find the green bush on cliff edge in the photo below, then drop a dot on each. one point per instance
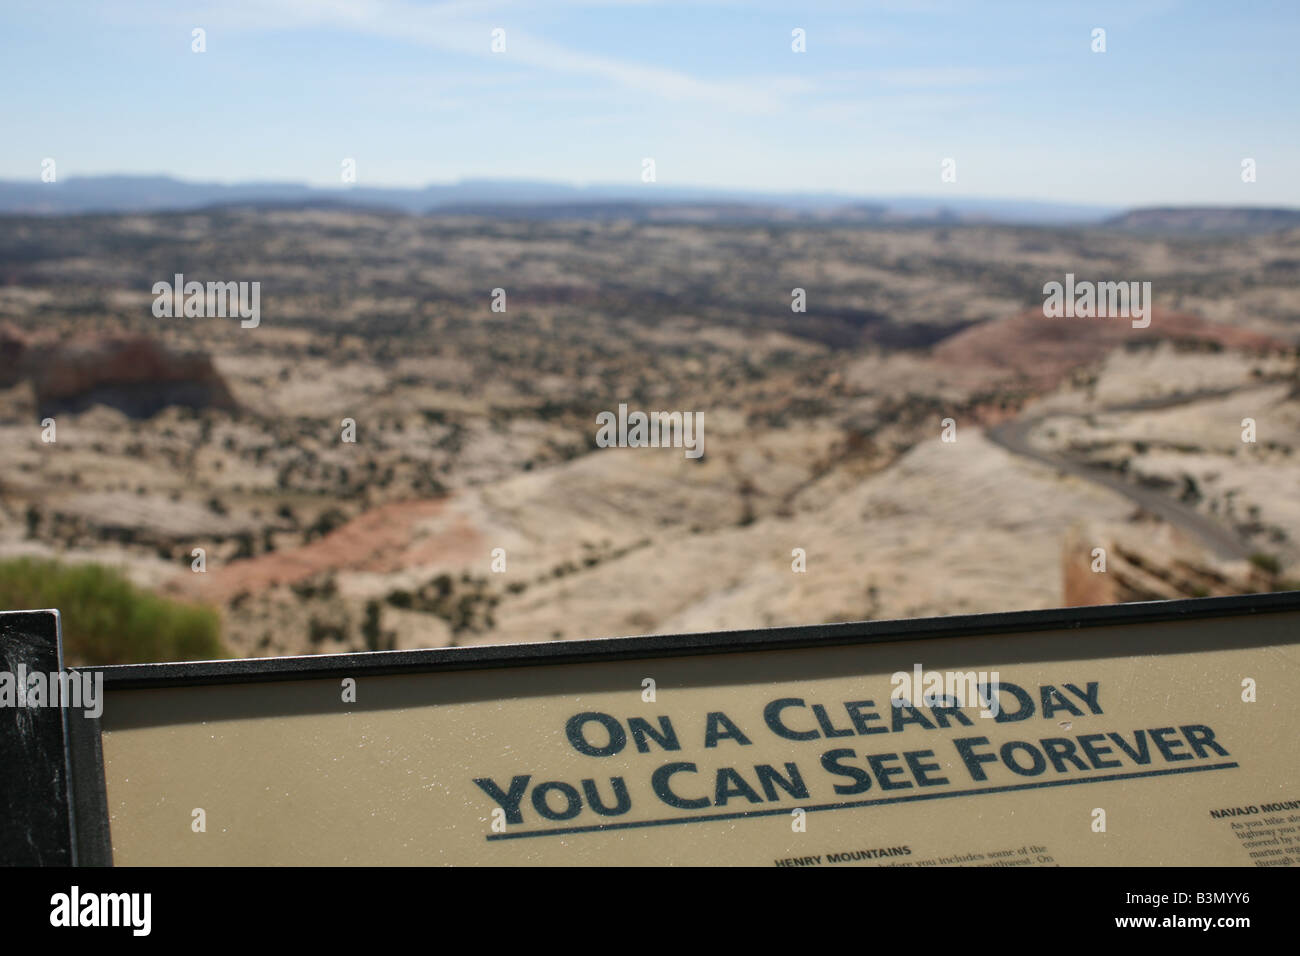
(107, 619)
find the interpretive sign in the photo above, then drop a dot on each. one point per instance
(1161, 733)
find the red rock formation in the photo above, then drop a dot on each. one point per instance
(135, 374)
(1041, 352)
(1147, 562)
(13, 348)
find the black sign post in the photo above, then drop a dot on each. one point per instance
(36, 824)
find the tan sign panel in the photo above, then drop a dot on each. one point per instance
(1163, 743)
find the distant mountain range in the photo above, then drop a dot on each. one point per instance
(1208, 220)
(518, 199)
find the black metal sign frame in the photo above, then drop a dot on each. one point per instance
(53, 804)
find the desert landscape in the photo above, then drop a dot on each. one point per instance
(920, 441)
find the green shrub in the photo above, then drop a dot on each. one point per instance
(106, 619)
(1266, 562)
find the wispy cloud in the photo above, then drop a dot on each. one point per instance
(465, 29)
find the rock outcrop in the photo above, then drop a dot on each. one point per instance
(13, 345)
(1042, 352)
(1148, 561)
(132, 373)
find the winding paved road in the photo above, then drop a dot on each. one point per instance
(1014, 437)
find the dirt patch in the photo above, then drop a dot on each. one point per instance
(385, 539)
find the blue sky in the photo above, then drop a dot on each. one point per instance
(711, 90)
